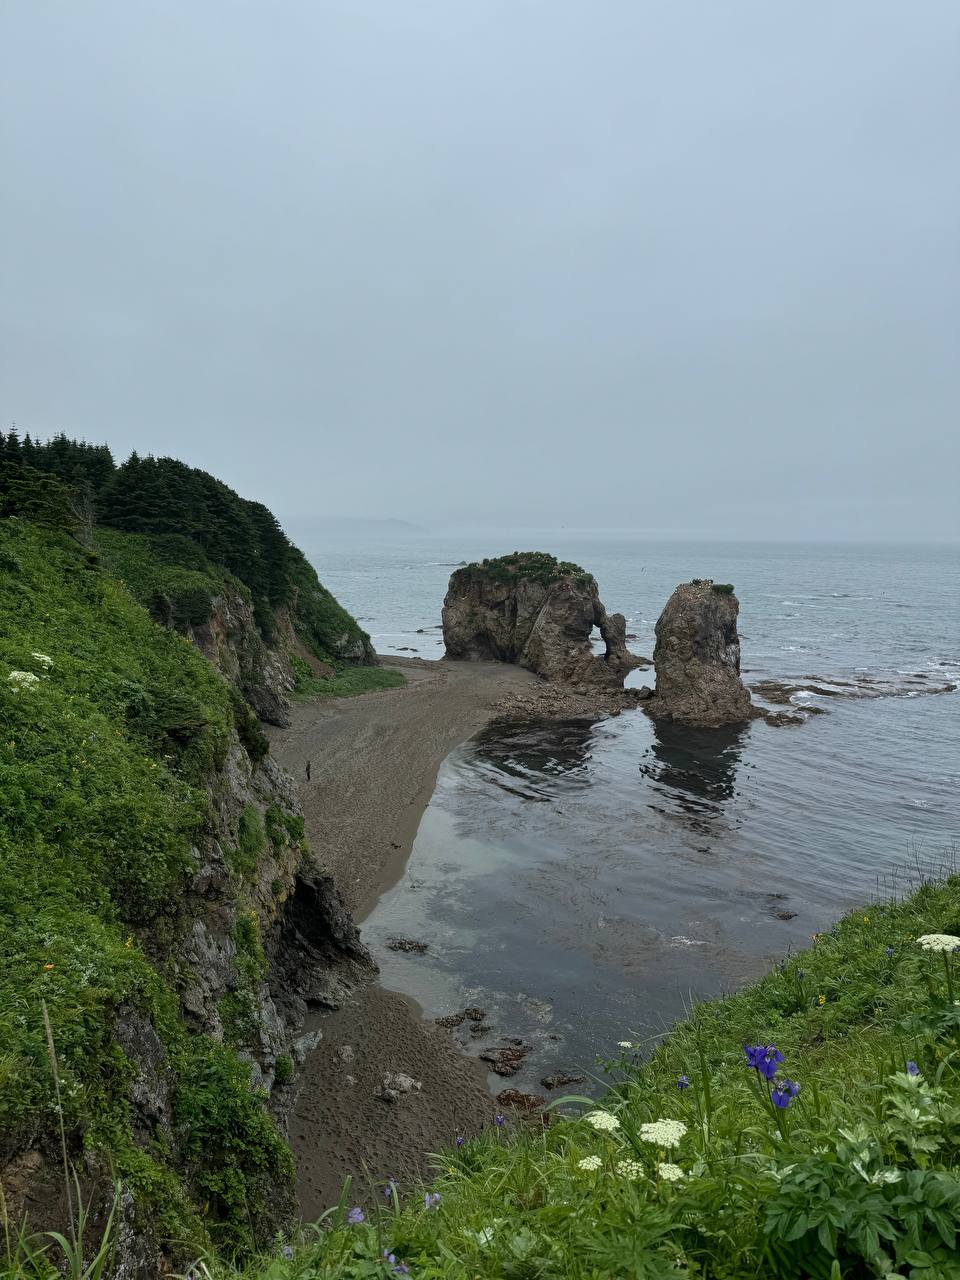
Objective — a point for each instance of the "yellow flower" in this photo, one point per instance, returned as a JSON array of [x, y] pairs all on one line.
[[47, 968], [821, 999], [866, 919]]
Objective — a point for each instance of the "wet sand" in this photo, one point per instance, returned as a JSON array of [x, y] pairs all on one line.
[[374, 761]]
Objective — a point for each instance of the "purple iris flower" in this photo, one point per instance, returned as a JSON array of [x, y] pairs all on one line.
[[801, 974], [768, 1068], [390, 1188], [400, 1268], [461, 1141], [683, 1082], [431, 1199], [783, 1093], [764, 1058], [912, 1068], [356, 1216], [889, 951], [498, 1119]]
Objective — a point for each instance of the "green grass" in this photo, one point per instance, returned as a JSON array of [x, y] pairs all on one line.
[[104, 765], [538, 565], [348, 682], [857, 1177]]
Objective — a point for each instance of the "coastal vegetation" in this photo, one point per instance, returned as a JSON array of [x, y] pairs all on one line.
[[129, 766], [105, 760], [174, 533], [540, 566], [808, 1126], [346, 682]]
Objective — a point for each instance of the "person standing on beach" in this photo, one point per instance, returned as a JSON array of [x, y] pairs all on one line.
[[308, 770]]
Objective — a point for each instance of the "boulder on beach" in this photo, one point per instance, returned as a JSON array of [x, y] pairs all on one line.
[[538, 612], [697, 657]]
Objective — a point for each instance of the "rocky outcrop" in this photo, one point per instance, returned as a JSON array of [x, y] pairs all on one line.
[[537, 612], [304, 929], [697, 657], [259, 661], [231, 640], [258, 937]]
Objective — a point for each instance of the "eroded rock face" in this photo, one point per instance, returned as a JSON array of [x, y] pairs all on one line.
[[231, 640], [697, 657], [537, 612]]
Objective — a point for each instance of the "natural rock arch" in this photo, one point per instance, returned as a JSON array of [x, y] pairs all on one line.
[[531, 609]]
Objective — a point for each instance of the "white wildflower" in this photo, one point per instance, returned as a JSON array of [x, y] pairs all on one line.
[[43, 658], [625, 1044], [590, 1163], [603, 1121], [630, 1169], [880, 1178], [22, 680], [670, 1172], [663, 1133], [939, 941]]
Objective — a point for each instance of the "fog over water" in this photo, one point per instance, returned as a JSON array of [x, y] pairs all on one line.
[[682, 267]]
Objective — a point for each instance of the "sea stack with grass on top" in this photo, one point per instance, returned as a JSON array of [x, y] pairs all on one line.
[[538, 612], [697, 658]]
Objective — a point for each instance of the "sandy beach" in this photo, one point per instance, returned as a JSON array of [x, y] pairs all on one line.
[[374, 761]]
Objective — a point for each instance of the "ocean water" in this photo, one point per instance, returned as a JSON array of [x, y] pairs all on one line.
[[582, 883]]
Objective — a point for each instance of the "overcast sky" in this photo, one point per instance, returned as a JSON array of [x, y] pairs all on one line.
[[669, 266]]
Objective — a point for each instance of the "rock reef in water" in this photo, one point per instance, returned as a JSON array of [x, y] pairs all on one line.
[[533, 610], [697, 657]]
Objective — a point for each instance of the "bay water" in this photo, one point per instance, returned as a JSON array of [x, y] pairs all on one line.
[[583, 883]]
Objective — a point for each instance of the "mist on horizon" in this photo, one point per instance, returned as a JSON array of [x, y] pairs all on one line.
[[681, 269]]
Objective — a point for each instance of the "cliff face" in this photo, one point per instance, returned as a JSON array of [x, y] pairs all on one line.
[[537, 612], [697, 658], [231, 640], [158, 900], [250, 644]]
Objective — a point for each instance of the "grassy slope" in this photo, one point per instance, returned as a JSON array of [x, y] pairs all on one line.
[[102, 765], [175, 570], [173, 567], [865, 1167], [321, 621], [347, 682]]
